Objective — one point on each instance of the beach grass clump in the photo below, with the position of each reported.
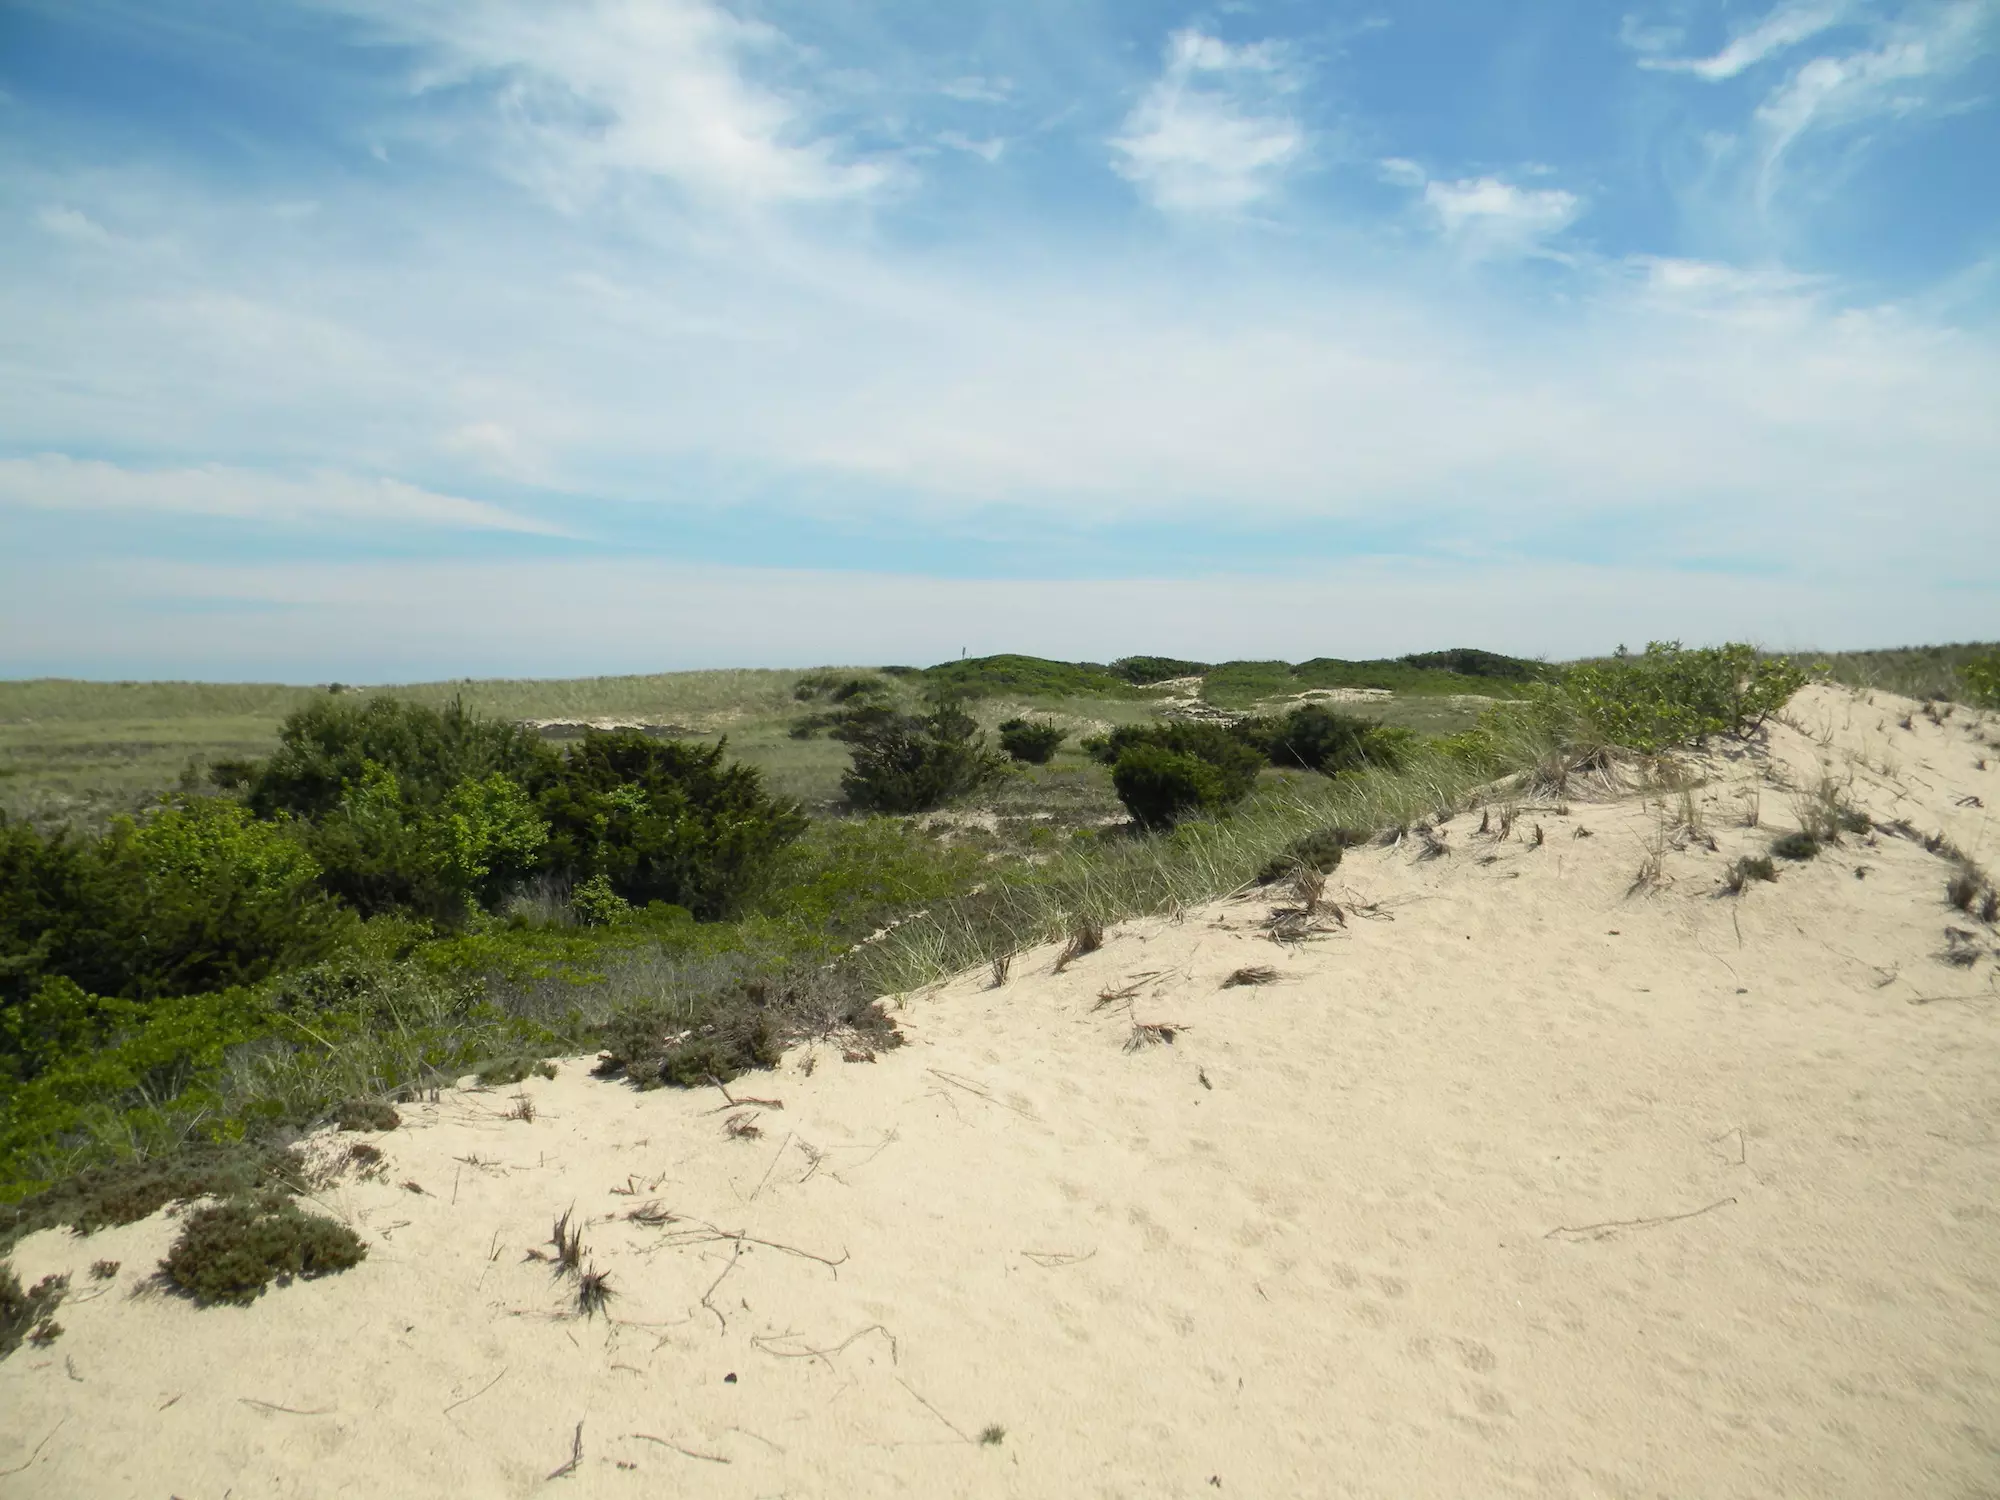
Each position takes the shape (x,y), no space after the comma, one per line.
(1796,846)
(28,1313)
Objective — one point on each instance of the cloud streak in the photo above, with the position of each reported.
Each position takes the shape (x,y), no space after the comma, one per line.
(57,482)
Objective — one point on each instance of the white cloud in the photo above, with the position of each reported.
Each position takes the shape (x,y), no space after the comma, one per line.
(73,224)
(1783,28)
(1491,216)
(53,481)
(1402,172)
(987,150)
(595,88)
(1214,132)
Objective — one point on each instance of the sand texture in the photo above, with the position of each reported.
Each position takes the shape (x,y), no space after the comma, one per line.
(1523,1182)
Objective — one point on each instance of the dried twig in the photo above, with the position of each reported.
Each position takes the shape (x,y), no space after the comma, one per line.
(973,1088)
(768,1344)
(18,1468)
(707,1458)
(575,1456)
(718,1282)
(1251,974)
(1053,1258)
(476,1394)
(318,1411)
(1612,1226)
(746,1101)
(1151,1033)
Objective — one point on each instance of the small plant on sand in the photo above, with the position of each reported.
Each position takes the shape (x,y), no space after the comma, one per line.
(229,1252)
(992,1435)
(366,1114)
(593,1292)
(1087,937)
(103,1270)
(567,1240)
(1320,850)
(1000,967)
(1029,742)
(25,1314)
(1251,974)
(1800,846)
(1747,869)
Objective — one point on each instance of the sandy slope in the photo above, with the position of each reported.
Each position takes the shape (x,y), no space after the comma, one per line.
(1523,1185)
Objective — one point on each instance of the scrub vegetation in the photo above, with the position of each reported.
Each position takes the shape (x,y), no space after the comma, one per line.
(390,890)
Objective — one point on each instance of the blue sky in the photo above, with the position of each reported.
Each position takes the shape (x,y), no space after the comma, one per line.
(388,338)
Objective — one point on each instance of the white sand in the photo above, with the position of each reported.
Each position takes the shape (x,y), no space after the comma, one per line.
(1526,1186)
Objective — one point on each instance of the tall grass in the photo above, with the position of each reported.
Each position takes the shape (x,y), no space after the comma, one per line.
(1115,878)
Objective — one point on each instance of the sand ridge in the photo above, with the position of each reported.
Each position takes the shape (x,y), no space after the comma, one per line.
(1524,1181)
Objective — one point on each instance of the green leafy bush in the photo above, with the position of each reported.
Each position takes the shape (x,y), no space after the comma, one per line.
(1469,662)
(329,747)
(1035,744)
(1981,677)
(1159,786)
(26,1312)
(596,904)
(1320,850)
(195,896)
(905,763)
(1147,670)
(1027,677)
(1673,695)
(1315,738)
(665,820)
(229,1252)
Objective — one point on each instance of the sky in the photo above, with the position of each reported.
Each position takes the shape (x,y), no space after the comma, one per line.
(376,340)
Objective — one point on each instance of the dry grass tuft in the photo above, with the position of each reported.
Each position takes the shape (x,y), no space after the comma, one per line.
(1000,967)
(1251,974)
(593,1293)
(1087,937)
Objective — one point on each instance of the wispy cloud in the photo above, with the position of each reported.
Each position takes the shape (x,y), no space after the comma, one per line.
(1783,28)
(1215,131)
(57,482)
(576,94)
(1494,216)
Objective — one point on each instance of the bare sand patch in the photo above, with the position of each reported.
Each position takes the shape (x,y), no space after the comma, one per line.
(1522,1177)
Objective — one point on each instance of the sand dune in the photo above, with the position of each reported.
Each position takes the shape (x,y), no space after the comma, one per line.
(1523,1182)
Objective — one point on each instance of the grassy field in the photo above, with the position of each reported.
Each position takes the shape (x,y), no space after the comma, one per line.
(80,752)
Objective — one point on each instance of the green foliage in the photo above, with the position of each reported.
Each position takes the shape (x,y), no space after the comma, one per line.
(1469,662)
(1800,845)
(1673,695)
(366,1114)
(332,746)
(124,1192)
(1027,677)
(25,1313)
(1035,744)
(1315,738)
(596,904)
(1160,786)
(1981,677)
(665,820)
(197,896)
(1319,850)
(905,763)
(685,1041)
(1147,670)
(229,1252)
(837,687)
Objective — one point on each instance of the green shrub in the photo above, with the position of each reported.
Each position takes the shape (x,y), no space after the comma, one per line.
(1315,738)
(330,746)
(1147,670)
(231,1251)
(596,904)
(686,1040)
(1799,845)
(1027,677)
(902,763)
(1035,744)
(124,1192)
(366,1114)
(1674,696)
(665,820)
(1469,662)
(1319,850)
(1159,786)
(195,896)
(26,1313)
(1981,677)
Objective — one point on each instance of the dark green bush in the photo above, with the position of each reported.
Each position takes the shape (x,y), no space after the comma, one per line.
(24,1312)
(1147,670)
(331,746)
(195,896)
(904,763)
(1035,744)
(1027,677)
(125,1192)
(366,1114)
(1799,845)
(1159,786)
(685,1041)
(1469,662)
(1315,738)
(1319,850)
(231,1251)
(665,820)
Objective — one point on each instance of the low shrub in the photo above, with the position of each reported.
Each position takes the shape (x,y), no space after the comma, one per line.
(1673,695)
(125,1192)
(904,763)
(1147,670)
(1747,869)
(27,1313)
(596,904)
(1027,677)
(1315,738)
(231,1251)
(665,820)
(1159,786)
(366,1114)
(1800,846)
(1319,850)
(684,1041)
(1035,744)
(1981,677)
